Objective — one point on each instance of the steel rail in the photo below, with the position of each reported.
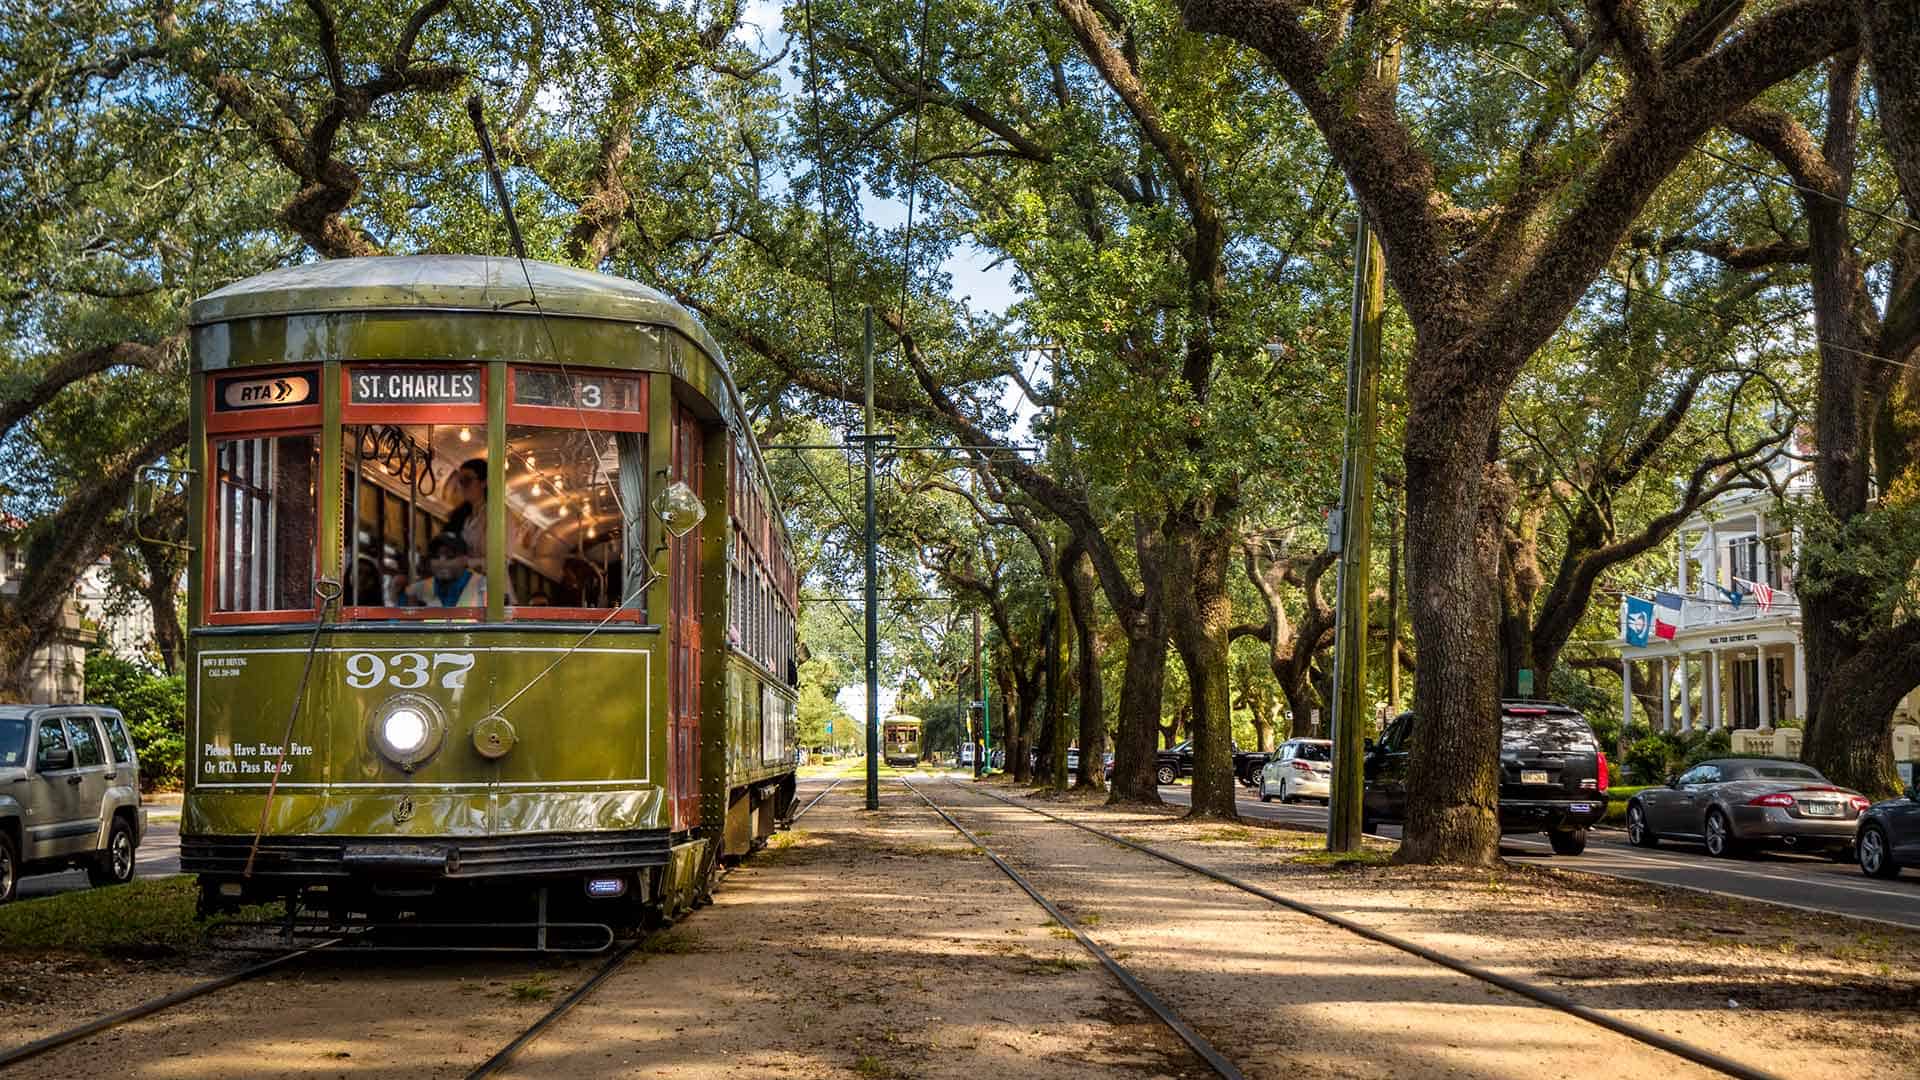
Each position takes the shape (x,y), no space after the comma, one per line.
(815,801)
(1167,1016)
(507,1053)
(1697,1055)
(504,1057)
(97,1025)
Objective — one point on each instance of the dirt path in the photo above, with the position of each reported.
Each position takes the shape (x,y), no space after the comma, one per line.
(865,945)
(1789,992)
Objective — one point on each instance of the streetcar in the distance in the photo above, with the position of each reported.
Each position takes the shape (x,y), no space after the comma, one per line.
(900,740)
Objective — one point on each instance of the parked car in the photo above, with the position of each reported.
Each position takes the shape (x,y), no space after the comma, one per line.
(1177,761)
(69,794)
(1553,775)
(1732,803)
(1889,835)
(1300,769)
(963,757)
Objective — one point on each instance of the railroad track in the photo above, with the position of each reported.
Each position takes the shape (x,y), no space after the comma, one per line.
(1194,1040)
(494,1065)
(1551,999)
(34,1049)
(28,1051)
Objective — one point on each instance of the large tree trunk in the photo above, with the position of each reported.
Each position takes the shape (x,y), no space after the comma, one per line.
(1143,684)
(1454,504)
(1201,614)
(1078,576)
(161,589)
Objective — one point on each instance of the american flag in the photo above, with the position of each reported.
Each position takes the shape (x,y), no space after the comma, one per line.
(1762,592)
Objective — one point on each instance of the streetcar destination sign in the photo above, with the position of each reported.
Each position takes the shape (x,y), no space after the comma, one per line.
(236,393)
(417,386)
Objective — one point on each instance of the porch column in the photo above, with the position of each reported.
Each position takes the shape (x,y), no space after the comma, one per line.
(1686,696)
(1765,686)
(1713,690)
(1712,569)
(1666,696)
(1799,681)
(1626,692)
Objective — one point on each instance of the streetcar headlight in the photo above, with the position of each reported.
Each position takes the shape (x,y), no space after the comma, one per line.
(407,729)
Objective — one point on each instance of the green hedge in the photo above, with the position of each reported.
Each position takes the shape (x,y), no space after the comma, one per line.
(155,705)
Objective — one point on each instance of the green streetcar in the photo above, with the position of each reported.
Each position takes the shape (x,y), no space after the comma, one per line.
(492,595)
(900,740)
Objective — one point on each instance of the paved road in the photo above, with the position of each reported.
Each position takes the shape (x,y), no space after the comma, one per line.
(159,855)
(1808,882)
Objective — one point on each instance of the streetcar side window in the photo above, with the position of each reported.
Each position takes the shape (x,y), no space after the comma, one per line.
(265,511)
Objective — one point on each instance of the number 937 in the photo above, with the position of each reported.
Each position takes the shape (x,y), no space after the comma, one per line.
(408,670)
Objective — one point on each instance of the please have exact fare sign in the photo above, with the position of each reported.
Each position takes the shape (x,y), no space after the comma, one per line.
(417,386)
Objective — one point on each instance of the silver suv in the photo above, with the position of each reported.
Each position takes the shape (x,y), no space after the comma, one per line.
(69,794)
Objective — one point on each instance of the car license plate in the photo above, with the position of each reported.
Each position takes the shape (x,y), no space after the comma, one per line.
(1582,808)
(1533,776)
(1821,809)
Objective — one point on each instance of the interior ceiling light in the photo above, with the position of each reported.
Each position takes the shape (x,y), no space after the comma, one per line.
(466,434)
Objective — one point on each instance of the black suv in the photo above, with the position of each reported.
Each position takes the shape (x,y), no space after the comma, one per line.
(1553,775)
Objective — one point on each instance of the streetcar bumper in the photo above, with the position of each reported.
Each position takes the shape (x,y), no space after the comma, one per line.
(302,860)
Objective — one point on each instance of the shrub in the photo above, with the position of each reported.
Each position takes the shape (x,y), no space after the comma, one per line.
(155,705)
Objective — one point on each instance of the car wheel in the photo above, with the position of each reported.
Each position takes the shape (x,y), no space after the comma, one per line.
(9,867)
(1264,797)
(1876,856)
(1720,840)
(114,866)
(1637,832)
(1568,841)
(1165,775)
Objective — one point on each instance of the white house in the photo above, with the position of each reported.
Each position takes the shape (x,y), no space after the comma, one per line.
(1741,658)
(1744,655)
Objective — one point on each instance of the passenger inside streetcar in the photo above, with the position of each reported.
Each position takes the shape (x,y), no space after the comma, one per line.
(454,583)
(469,519)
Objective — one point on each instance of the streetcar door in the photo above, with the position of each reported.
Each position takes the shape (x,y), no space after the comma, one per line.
(684,558)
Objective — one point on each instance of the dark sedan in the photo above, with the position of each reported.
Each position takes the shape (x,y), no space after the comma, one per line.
(1731,803)
(1889,836)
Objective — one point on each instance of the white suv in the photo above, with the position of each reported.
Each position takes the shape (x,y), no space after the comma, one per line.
(69,794)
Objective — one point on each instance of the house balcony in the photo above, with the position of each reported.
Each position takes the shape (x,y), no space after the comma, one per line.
(1713,611)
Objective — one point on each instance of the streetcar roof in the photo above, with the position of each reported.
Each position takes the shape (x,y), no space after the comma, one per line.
(446,283)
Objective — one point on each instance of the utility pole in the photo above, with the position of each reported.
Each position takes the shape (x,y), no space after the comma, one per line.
(1350,705)
(1393,605)
(980,746)
(873,591)
(1057,645)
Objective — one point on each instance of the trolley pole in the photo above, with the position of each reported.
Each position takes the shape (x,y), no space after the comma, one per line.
(1350,704)
(873,591)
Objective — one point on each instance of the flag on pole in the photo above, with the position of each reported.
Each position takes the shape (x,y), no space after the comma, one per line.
(1639,620)
(1735,597)
(1666,614)
(1762,593)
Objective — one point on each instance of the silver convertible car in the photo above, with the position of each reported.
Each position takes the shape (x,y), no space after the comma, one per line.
(1731,803)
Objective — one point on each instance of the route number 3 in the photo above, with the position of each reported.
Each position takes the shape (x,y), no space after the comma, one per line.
(408,670)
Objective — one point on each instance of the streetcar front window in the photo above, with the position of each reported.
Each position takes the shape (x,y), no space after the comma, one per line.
(407,484)
(575,500)
(265,512)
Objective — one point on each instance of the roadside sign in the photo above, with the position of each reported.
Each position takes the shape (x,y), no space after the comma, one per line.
(1526,682)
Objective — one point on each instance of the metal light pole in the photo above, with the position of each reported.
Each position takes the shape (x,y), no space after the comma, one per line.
(979,747)
(873,593)
(1350,698)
